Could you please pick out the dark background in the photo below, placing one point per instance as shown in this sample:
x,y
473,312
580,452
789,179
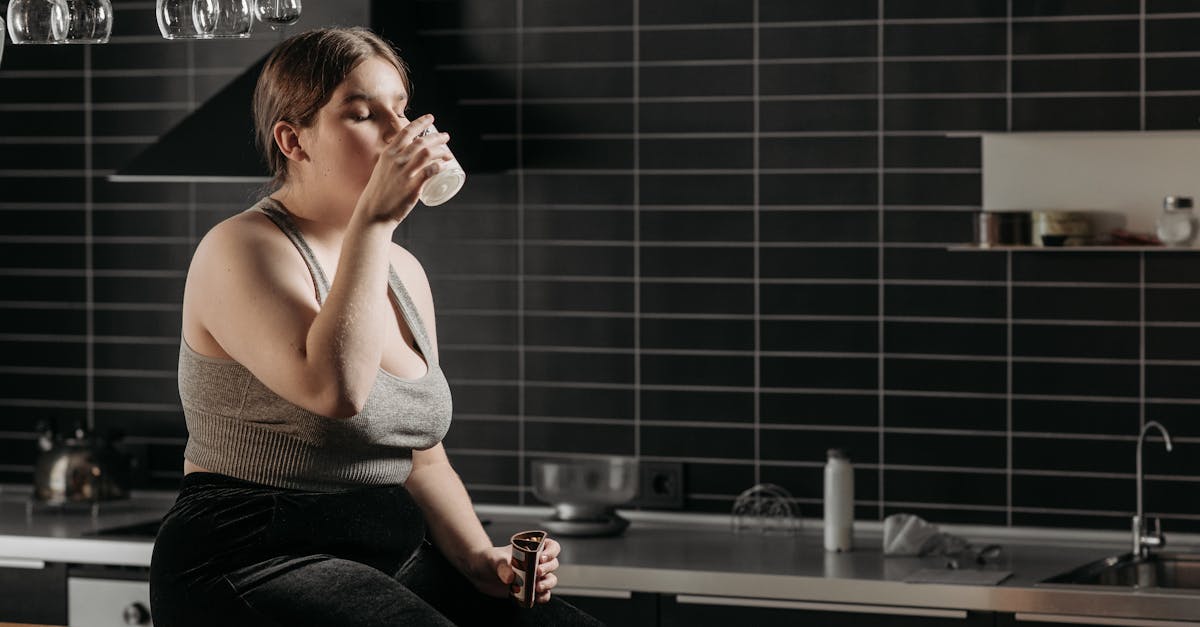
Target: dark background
x,y
697,231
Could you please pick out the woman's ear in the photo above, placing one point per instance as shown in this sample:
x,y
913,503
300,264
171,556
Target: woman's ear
x,y
287,138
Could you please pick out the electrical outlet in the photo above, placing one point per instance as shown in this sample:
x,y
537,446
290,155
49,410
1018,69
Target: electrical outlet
x,y
660,485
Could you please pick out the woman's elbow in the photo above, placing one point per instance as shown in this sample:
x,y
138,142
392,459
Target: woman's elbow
x,y
339,404
345,409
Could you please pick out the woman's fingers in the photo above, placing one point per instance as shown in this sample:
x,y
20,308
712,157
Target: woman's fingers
x,y
545,568
546,577
427,161
544,586
414,130
551,549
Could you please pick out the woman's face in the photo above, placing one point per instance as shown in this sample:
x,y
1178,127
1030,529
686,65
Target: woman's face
x,y
364,114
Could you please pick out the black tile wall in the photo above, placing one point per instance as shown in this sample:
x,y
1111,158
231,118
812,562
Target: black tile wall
x,y
724,243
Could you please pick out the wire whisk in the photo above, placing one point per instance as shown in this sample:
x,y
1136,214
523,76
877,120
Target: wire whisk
x,y
768,508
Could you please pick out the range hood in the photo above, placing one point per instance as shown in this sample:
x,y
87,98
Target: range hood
x,y
215,143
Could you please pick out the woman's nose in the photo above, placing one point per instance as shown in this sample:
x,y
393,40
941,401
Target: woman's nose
x,y
395,123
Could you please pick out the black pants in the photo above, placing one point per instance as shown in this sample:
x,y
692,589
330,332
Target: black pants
x,y
235,553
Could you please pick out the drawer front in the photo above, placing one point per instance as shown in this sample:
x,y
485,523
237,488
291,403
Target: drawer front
x,y
625,608
1067,620
33,592
702,611
108,602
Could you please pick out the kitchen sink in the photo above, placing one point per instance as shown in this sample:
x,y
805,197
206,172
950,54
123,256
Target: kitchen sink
x,y
1160,570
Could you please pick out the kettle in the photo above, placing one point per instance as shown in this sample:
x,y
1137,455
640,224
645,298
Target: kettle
x,y
79,468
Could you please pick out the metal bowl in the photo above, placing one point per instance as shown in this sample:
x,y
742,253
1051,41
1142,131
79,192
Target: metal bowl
x,y
585,489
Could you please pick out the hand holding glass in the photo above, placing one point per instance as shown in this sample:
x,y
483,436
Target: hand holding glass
x,y
446,183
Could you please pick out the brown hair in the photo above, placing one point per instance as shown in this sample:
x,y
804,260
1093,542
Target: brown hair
x,y
301,75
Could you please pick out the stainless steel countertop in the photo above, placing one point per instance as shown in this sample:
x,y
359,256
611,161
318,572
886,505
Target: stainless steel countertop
x,y
678,555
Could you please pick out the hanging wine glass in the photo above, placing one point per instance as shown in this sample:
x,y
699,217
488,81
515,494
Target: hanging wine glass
x,y
37,21
276,13
234,19
2,28
89,21
186,19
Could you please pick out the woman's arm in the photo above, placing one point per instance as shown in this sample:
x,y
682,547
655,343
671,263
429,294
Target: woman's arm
x,y
248,289
440,493
459,535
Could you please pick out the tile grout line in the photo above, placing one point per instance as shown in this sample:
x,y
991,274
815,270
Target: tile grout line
x,y
192,208
879,228
1141,340
88,247
757,162
1008,287
586,100
786,24
856,392
1008,66
730,355
712,62
1142,63
522,480
1008,393
637,236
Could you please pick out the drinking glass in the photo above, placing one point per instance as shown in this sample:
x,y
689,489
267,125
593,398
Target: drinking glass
x,y
2,28
89,21
446,183
277,13
37,21
186,19
234,19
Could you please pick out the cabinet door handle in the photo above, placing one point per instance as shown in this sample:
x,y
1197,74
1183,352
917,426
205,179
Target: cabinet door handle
x,y
598,593
1098,620
16,562
892,610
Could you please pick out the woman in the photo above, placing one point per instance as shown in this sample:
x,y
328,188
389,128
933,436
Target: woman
x,y
315,407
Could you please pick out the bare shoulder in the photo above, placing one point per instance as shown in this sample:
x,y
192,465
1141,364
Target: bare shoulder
x,y
241,234
244,261
247,248
411,272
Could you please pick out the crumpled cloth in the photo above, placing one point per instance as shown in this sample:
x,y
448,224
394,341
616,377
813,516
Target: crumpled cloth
x,y
910,535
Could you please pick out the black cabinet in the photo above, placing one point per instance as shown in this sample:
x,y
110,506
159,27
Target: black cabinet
x,y
637,609
695,611
33,593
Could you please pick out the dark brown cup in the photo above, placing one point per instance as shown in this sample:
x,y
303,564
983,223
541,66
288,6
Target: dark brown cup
x,y
526,555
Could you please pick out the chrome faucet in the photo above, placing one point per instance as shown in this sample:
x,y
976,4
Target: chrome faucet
x,y
1143,540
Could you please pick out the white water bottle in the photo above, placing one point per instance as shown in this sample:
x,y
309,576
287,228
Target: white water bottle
x,y
839,502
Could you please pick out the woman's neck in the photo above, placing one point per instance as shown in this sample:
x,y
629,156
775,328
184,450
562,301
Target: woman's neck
x,y
312,215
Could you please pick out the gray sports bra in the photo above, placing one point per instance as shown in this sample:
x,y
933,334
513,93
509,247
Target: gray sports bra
x,y
240,428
